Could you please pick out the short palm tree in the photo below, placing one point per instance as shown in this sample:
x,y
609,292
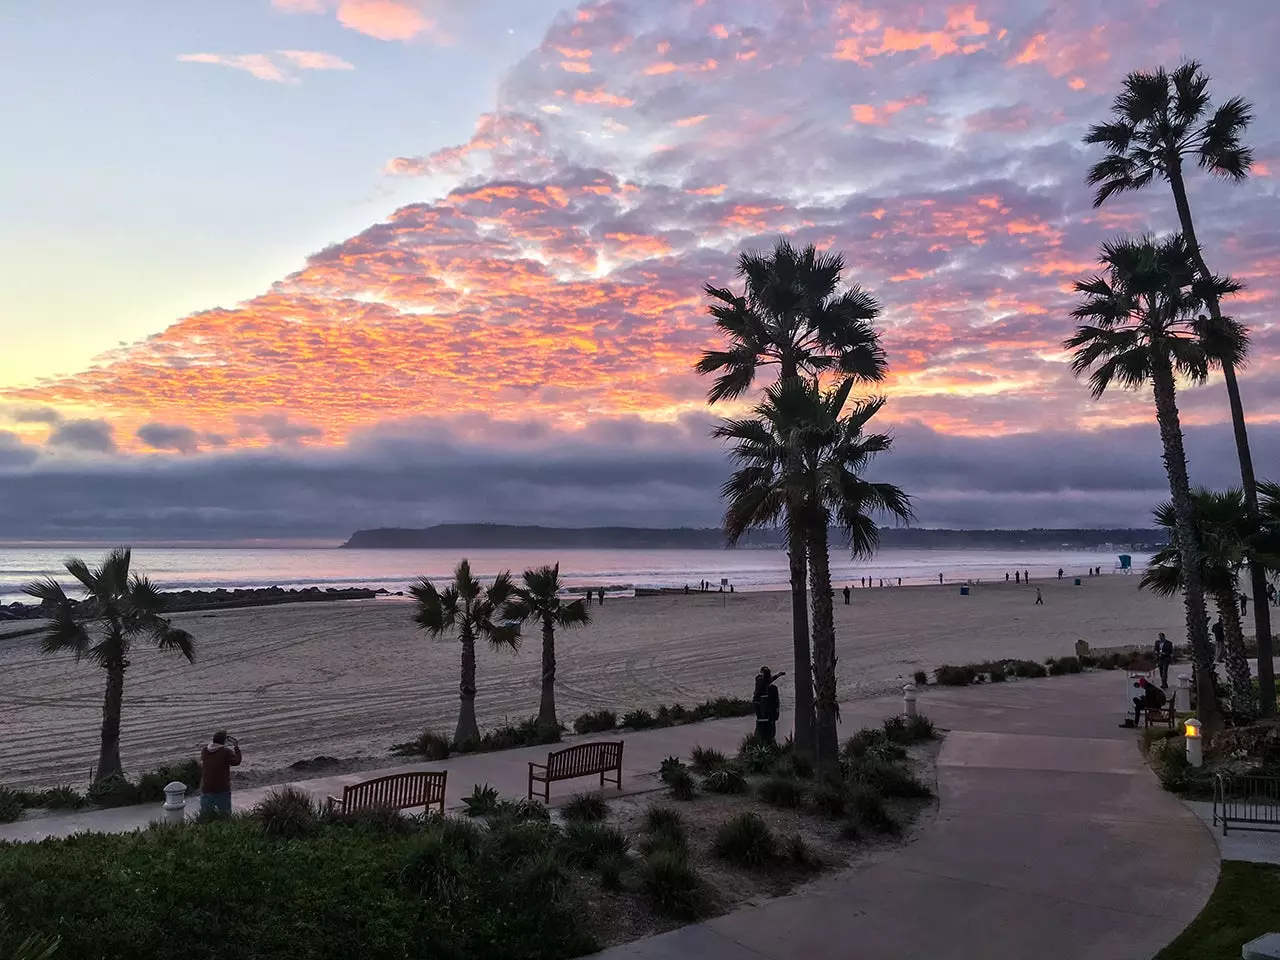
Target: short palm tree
x,y
793,316
538,601
800,463
119,608
474,612
1222,526
1160,123
1139,328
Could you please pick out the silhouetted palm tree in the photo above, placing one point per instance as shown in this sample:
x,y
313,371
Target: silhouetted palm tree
x,y
1161,122
800,459
1140,328
119,608
1222,526
474,612
793,316
539,601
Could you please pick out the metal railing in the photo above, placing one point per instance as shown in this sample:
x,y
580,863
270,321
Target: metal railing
x,y
1241,800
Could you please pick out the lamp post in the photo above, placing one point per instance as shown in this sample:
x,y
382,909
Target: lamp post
x,y
1195,743
909,699
175,802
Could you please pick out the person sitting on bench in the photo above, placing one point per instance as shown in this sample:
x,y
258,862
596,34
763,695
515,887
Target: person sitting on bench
x,y
1150,697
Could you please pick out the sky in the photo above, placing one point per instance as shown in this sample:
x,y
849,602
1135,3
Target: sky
x,y
282,268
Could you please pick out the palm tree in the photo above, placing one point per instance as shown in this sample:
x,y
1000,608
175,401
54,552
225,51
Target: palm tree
x,y
1160,122
1222,526
1139,328
118,609
793,316
539,600
800,462
472,611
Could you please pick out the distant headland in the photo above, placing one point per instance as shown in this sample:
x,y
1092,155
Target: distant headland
x,y
464,536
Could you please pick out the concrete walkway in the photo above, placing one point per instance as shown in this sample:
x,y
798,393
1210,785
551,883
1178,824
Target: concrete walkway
x,y
1052,840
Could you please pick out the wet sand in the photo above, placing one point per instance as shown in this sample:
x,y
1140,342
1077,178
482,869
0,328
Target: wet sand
x,y
349,679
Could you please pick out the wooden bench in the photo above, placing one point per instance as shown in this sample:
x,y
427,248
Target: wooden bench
x,y
582,760
400,791
1166,715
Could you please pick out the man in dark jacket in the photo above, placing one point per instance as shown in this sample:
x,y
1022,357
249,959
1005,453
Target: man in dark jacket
x,y
767,704
216,761
1164,657
1150,697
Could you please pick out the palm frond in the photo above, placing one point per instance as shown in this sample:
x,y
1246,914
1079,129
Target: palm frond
x,y
170,638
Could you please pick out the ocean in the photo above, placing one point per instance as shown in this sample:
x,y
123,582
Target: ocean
x,y
232,567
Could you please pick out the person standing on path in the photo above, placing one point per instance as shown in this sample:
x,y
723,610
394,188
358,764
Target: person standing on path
x,y
1164,657
1026,575
1017,577
846,596
1039,599
1059,573
1244,604
216,761
600,593
1219,641
768,705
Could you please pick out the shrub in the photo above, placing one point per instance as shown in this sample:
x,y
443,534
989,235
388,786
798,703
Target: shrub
x,y
906,730
1153,735
383,819
62,798
920,678
705,759
637,719
541,877
664,830
512,842
799,854
831,797
586,808
746,840
670,766
671,716
1027,669
286,812
527,733
949,676
889,779
437,862
1061,665
1176,773
610,870
523,810
757,757
150,786
482,802
586,844
595,721
11,805
874,743
921,728
114,791
725,780
782,792
428,744
867,809
722,707
681,784
996,673
673,885
792,764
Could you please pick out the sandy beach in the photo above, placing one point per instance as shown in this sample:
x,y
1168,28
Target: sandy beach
x,y
349,679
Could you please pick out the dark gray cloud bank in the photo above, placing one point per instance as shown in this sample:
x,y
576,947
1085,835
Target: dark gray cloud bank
x,y
625,471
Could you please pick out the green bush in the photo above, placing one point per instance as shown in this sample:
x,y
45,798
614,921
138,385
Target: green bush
x,y
757,757
11,805
287,812
150,786
1062,665
437,862
664,830
428,744
524,810
1027,669
920,678
888,779
1175,772
586,844
782,792
527,733
725,780
379,819
595,721
997,673
799,855
705,759
62,798
949,676
680,783
907,730
746,840
671,716
512,842
920,728
831,797
723,707
637,720
610,870
867,809
793,764
586,808
874,743
482,802
673,885
114,791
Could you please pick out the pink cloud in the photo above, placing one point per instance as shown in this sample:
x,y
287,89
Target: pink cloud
x,y
380,19
277,67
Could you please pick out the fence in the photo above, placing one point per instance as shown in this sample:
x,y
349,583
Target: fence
x,y
1253,800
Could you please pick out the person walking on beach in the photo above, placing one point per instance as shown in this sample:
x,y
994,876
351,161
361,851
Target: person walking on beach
x,y
1059,573
601,595
1039,599
1219,641
216,761
767,704
846,596
1017,577
1026,575
1006,576
1164,657
939,579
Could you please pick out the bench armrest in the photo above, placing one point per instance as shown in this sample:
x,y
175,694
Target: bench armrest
x,y
537,766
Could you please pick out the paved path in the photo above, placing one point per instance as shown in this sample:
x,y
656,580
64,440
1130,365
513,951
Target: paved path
x,y
1052,840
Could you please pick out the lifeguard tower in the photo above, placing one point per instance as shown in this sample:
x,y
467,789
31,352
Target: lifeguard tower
x,y
1126,563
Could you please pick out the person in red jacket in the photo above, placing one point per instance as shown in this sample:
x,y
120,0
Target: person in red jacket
x,y
216,760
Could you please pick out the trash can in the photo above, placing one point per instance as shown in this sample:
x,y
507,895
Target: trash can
x,y
1077,581
964,591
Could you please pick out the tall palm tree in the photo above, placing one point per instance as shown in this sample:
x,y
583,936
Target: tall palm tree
x,y
800,459
539,600
118,609
1161,122
793,316
1222,526
1139,329
472,611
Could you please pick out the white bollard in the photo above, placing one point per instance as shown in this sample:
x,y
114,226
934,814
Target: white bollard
x,y
1195,744
175,802
909,699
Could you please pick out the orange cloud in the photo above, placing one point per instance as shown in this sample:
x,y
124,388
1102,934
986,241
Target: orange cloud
x,y
381,19
601,97
958,35
691,121
575,66
865,113
714,191
275,67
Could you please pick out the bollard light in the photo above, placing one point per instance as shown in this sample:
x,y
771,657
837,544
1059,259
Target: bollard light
x,y
1195,743
909,699
175,802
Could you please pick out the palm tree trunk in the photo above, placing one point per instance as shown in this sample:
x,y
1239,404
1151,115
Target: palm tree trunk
x,y
467,730
1237,661
1190,552
109,754
1248,480
804,731
824,648
547,709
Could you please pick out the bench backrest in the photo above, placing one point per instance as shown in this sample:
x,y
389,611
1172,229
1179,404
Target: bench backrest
x,y
399,790
584,758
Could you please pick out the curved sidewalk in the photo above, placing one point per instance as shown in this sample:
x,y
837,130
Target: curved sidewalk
x,y
1052,840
